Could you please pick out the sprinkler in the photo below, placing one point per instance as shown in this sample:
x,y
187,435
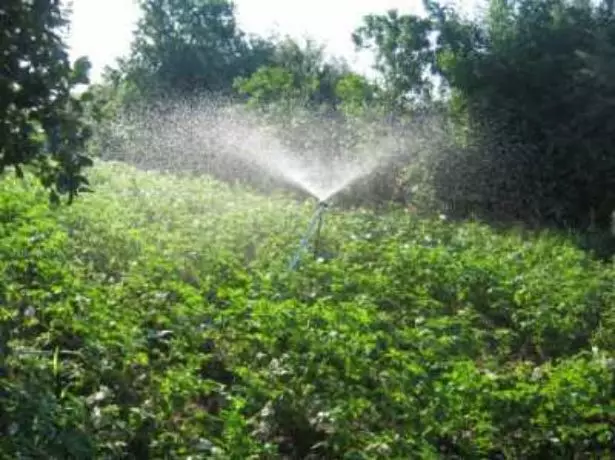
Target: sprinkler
x,y
314,227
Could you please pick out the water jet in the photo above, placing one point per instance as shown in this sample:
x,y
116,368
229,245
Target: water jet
x,y
299,151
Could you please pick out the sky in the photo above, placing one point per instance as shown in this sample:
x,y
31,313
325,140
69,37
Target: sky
x,y
102,29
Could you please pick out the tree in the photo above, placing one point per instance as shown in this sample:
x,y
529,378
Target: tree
x,y
530,85
190,46
41,124
270,84
403,54
297,75
355,93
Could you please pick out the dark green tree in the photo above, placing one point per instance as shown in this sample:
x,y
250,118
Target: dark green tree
x,y
403,53
530,91
190,46
532,86
41,123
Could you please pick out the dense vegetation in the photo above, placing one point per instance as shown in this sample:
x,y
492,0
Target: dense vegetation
x,y
157,317
41,122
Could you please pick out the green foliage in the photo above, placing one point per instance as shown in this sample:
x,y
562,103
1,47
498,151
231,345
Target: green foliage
x,y
157,318
301,76
402,49
41,123
273,84
538,145
530,93
355,93
186,47
527,88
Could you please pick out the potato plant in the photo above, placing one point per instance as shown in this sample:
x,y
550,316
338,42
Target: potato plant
x,y
157,318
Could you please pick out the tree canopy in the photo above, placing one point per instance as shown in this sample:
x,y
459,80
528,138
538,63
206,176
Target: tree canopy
x,y
41,123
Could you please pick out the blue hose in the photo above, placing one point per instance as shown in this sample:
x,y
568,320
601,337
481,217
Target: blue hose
x,y
316,219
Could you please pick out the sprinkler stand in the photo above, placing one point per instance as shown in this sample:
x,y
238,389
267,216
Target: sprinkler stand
x,y
315,226
317,237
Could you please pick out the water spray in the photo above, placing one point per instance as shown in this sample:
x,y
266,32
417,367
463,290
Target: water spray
x,y
314,227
